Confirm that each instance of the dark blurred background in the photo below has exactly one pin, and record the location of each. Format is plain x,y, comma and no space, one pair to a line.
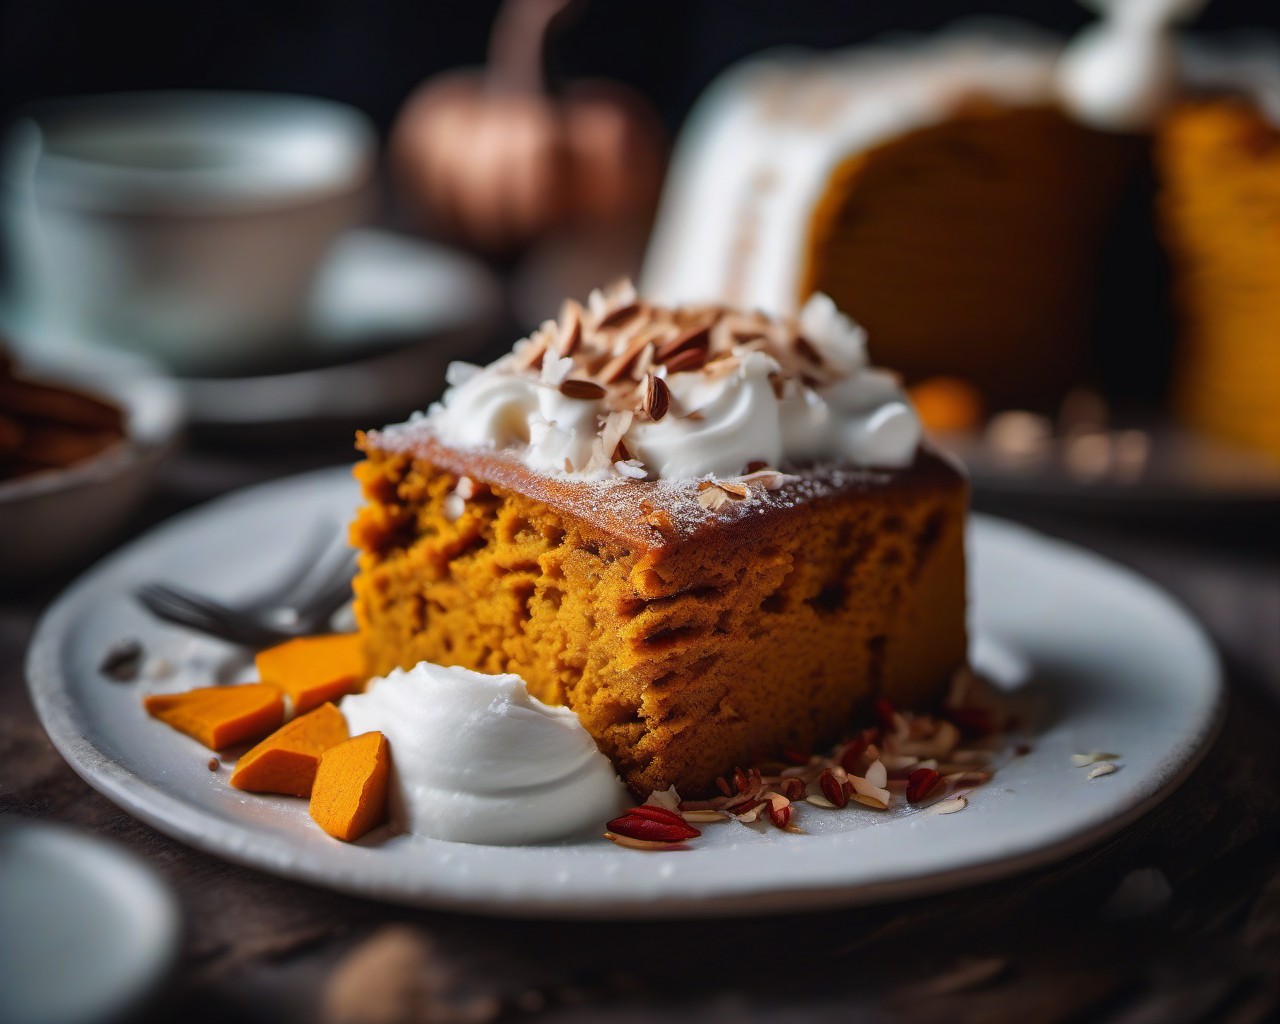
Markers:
371,53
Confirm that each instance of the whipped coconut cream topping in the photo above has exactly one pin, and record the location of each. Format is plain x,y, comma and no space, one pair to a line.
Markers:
476,759
626,389
1122,73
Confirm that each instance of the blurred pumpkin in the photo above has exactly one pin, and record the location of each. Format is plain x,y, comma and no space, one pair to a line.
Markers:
496,158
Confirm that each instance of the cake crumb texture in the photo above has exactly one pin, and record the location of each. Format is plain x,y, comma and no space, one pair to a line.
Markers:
1219,211
683,656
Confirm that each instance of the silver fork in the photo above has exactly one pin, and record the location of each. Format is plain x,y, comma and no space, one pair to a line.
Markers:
302,602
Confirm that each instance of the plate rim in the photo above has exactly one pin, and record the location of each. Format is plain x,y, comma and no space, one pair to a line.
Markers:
178,819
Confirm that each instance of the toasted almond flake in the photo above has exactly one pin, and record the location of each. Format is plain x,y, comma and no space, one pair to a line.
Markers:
585,390
753,814
642,844
631,468
818,800
619,315
721,366
876,774
660,519
569,335
944,740
657,397
956,803
734,490
712,498
530,352
769,479
1100,769
617,368
899,762
689,359
1083,760
695,338
699,816
865,793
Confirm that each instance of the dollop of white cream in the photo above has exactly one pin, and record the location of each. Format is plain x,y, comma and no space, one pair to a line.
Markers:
738,418
476,759
1122,73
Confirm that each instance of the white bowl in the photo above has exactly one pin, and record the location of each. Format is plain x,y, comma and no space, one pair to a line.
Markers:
53,518
187,225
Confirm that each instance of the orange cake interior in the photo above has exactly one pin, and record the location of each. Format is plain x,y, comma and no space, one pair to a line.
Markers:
687,642
907,240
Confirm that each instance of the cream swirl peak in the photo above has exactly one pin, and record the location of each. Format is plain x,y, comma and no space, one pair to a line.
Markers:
625,388
476,759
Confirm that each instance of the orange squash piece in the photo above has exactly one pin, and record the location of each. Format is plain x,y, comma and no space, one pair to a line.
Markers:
220,716
314,669
286,761
350,793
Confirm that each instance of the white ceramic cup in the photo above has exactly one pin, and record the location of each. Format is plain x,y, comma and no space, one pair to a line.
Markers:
187,225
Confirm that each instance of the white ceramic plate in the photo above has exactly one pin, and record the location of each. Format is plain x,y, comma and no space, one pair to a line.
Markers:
86,929
1114,665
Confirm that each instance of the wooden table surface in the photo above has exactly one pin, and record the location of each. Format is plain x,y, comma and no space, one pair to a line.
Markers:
1175,919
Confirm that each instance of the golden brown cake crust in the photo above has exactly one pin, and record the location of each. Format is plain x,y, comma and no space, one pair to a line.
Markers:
684,651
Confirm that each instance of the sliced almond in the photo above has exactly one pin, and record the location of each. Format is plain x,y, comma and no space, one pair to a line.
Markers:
657,397
586,390
698,337
689,359
642,844
871,796
660,519
617,367
1100,769
530,355
699,816
1084,760
956,803
619,316
570,333
712,498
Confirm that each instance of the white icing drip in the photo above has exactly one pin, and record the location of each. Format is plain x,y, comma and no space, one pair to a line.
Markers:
768,135
1122,73
476,759
762,143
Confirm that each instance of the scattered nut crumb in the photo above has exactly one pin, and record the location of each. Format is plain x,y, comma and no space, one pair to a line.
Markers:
1084,760
957,803
122,661
214,764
